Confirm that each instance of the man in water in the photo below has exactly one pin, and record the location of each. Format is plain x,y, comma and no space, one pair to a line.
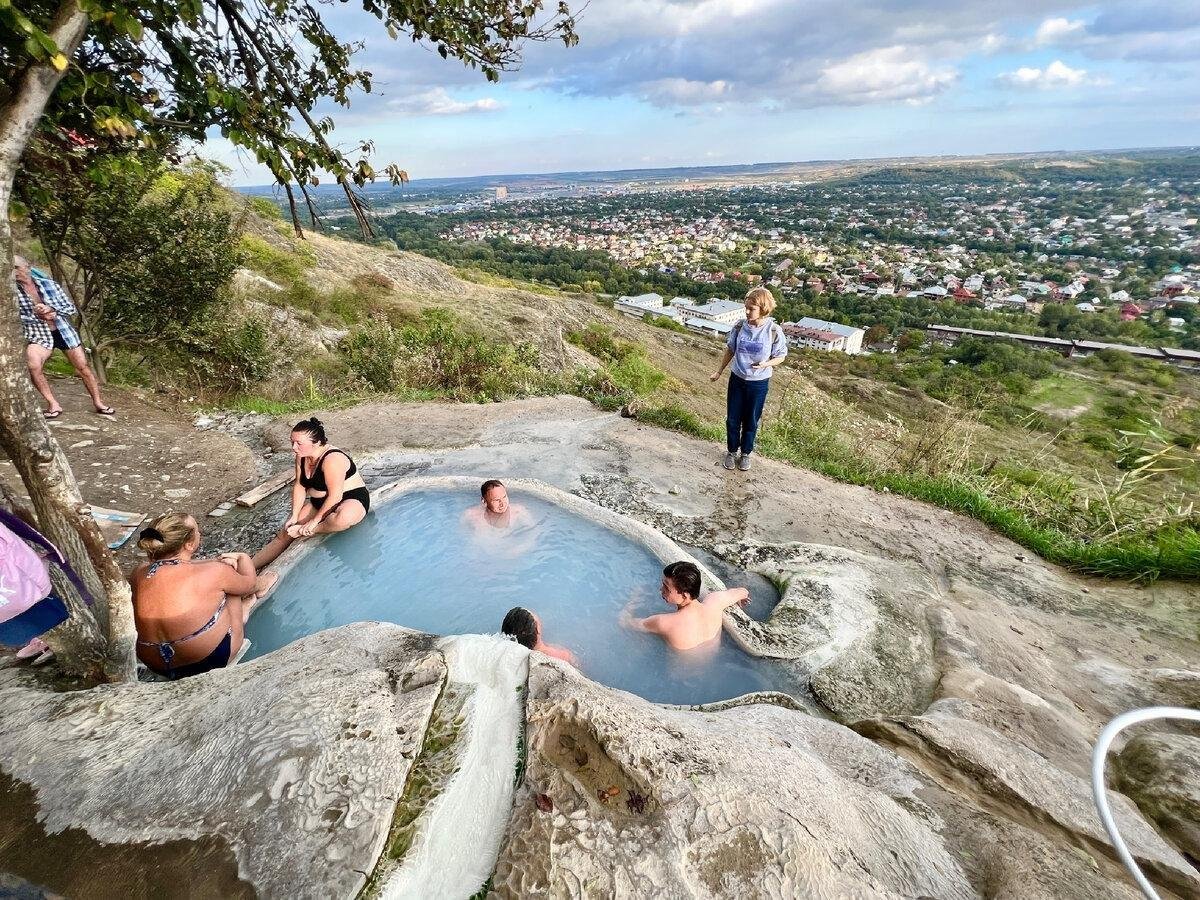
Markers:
694,621
495,510
526,628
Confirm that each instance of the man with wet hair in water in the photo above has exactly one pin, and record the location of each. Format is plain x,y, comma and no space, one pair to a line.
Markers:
495,510
694,621
525,628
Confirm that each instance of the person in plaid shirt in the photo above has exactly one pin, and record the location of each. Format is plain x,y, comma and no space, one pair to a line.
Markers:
44,307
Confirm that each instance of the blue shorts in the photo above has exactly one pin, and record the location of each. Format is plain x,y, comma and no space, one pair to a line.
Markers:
38,619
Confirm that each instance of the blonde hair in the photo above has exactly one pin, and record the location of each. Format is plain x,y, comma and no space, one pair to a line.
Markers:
166,535
764,298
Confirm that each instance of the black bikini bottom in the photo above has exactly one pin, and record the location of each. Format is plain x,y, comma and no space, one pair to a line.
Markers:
218,659
361,494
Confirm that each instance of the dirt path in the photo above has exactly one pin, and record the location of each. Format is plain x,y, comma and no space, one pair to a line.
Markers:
149,458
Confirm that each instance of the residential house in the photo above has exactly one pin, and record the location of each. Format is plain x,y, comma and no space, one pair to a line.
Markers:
852,337
816,338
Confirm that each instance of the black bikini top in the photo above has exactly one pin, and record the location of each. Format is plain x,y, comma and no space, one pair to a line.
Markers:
316,482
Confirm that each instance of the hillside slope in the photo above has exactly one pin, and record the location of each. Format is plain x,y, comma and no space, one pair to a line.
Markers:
508,311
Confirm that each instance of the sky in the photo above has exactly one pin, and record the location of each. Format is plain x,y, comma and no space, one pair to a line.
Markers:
659,83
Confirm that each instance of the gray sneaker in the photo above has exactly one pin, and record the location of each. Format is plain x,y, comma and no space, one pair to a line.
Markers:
730,459
744,462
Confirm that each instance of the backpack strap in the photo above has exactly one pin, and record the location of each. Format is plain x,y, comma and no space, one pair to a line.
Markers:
18,526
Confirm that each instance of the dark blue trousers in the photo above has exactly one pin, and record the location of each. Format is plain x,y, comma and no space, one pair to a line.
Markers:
743,408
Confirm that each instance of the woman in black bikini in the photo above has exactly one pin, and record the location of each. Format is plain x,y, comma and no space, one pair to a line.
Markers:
328,494
189,613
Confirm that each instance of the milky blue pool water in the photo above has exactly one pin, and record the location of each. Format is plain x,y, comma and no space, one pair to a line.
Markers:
415,562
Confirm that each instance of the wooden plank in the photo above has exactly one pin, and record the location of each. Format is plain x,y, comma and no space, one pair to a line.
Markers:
266,489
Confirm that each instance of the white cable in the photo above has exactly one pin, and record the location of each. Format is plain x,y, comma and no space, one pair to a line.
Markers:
1099,756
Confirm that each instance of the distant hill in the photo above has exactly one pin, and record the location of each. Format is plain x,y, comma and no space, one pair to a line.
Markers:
982,167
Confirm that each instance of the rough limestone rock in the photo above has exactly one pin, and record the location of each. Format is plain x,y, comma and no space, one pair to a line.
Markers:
627,799
1052,726
999,771
275,778
980,673
854,623
1161,773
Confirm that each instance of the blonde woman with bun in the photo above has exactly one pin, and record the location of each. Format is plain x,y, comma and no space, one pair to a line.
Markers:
189,613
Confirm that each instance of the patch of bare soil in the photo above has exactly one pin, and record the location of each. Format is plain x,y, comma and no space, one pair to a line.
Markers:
149,458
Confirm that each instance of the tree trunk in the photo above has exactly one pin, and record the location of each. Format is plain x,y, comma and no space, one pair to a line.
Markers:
92,346
107,641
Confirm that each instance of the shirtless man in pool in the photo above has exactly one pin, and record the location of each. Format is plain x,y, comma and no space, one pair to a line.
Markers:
495,511
694,621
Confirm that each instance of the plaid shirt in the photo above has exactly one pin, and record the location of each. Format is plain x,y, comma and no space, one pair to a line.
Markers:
38,331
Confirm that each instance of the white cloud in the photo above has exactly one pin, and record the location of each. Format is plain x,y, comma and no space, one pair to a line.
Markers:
684,92
1055,31
883,75
438,102
991,44
1056,75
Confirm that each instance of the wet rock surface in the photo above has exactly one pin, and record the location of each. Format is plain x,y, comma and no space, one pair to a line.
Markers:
276,778
642,801
973,682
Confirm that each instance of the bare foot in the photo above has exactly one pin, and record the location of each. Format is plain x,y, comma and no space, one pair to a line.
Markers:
293,531
265,584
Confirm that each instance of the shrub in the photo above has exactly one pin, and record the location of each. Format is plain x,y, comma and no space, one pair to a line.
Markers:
638,374
625,363
665,322
599,341
1113,360
598,387
228,355
372,282
280,266
439,356
372,352
265,208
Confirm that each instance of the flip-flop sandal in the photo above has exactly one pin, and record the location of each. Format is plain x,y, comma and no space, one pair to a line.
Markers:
49,416
106,411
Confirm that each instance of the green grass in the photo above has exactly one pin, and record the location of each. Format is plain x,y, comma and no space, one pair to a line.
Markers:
58,364
479,276
675,418
1167,553
1062,392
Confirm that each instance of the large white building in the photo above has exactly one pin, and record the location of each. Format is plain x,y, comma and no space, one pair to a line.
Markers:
715,318
640,305
822,335
725,312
